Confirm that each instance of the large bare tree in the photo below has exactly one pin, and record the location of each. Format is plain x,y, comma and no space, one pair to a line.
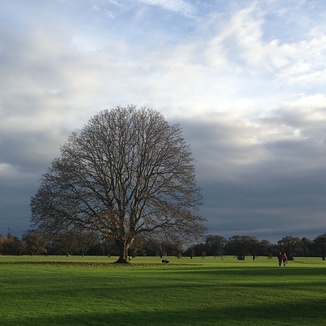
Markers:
127,173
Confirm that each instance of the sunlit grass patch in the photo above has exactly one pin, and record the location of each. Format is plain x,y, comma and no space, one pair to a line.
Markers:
210,291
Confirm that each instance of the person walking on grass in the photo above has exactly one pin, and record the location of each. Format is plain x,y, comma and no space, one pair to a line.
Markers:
284,259
280,256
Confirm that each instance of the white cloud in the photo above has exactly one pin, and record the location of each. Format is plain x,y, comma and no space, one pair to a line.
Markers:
240,48
178,6
6,170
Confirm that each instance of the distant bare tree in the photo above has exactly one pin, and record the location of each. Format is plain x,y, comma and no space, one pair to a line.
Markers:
320,244
35,243
73,241
127,173
215,245
290,245
12,245
242,245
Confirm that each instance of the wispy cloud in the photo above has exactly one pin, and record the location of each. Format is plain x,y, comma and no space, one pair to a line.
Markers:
177,6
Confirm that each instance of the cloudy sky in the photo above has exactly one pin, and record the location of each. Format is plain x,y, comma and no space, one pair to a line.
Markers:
245,79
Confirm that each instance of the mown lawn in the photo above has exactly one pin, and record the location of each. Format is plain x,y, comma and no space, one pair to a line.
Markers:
210,291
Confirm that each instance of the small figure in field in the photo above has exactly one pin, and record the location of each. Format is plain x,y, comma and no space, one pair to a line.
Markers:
285,259
280,256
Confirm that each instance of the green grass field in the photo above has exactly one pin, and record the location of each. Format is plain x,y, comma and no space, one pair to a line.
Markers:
92,291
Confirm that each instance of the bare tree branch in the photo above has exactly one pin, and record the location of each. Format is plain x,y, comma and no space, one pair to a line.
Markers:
128,173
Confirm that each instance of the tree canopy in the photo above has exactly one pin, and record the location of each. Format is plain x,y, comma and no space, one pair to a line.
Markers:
127,173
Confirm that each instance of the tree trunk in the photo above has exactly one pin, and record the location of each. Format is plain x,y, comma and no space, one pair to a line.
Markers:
123,252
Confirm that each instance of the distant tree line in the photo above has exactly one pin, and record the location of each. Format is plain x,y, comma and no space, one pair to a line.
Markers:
89,243
242,246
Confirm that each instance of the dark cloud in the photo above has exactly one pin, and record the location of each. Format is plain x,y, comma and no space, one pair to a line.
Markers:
269,190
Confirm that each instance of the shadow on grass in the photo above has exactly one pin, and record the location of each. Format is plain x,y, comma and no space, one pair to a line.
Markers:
306,312
256,271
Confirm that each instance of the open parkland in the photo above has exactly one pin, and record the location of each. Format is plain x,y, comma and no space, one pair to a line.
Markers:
75,290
